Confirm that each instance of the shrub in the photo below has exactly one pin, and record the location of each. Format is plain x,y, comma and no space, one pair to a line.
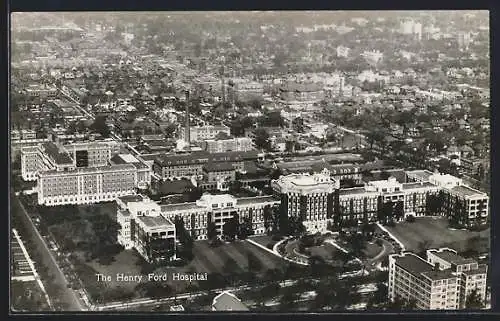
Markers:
410,219
270,245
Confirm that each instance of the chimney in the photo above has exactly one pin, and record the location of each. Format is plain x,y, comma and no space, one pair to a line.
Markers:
187,136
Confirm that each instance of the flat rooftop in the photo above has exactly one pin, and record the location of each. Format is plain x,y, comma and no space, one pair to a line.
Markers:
414,264
154,221
255,200
179,207
218,167
465,191
408,186
420,174
482,269
92,170
352,191
452,257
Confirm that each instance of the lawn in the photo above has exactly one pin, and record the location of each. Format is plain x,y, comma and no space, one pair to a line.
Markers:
264,240
434,232
372,250
325,251
122,264
206,260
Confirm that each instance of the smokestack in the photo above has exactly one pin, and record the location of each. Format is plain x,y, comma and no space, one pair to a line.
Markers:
187,135
221,71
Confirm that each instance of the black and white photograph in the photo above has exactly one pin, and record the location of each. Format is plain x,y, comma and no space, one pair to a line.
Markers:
249,161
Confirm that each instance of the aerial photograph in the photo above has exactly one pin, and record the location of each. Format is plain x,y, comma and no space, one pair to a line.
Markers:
249,161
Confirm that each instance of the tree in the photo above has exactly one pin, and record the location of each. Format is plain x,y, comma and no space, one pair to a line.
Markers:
230,229
211,231
474,301
380,296
184,238
99,125
235,187
294,226
399,210
245,229
268,217
287,301
261,139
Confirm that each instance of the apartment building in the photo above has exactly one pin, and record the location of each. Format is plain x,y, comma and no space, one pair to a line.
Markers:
196,215
245,90
86,185
239,144
39,91
442,282
202,133
301,96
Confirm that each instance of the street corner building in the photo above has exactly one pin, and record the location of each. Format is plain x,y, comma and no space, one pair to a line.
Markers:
442,282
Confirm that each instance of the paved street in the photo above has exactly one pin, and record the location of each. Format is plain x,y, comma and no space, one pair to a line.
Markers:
67,296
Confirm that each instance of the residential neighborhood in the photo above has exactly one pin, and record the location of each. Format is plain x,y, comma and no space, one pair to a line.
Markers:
272,161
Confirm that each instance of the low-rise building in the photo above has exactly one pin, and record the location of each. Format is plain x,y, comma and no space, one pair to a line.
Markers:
202,133
227,301
240,144
301,96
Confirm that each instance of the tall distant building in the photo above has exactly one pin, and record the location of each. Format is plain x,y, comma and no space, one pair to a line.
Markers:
464,40
410,27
